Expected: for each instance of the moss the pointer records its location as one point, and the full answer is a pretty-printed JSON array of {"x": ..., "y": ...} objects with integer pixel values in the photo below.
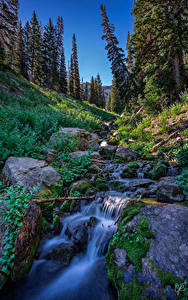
[
  {"x": 165, "y": 277},
  {"x": 136, "y": 242},
  {"x": 57, "y": 189},
  {"x": 129, "y": 211},
  {"x": 157, "y": 172},
  {"x": 185, "y": 203},
  {"x": 45, "y": 225},
  {"x": 73, "y": 204},
  {"x": 44, "y": 194},
  {"x": 131, "y": 291},
  {"x": 65, "y": 207},
  {"x": 56, "y": 220},
  {"x": 101, "y": 186},
  {"x": 84, "y": 188},
  {"x": 130, "y": 170},
  {"x": 23, "y": 270}
]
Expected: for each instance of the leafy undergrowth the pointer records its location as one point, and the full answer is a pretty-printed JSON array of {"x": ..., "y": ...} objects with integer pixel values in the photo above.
[
  {"x": 29, "y": 115},
  {"x": 146, "y": 130}
]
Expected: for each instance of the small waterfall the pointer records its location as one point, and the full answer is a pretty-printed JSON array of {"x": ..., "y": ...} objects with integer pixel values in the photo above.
[{"x": 113, "y": 204}]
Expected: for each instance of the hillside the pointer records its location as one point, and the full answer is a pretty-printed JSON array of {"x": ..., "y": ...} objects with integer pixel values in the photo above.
[{"x": 30, "y": 114}]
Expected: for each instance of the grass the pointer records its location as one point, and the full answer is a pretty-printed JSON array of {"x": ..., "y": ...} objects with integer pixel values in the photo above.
[
  {"x": 30, "y": 114},
  {"x": 148, "y": 130}
]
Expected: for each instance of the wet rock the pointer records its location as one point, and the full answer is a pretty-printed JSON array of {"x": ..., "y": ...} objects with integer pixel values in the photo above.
[
  {"x": 125, "y": 154},
  {"x": 25, "y": 245},
  {"x": 29, "y": 172},
  {"x": 130, "y": 170},
  {"x": 79, "y": 232},
  {"x": 169, "y": 191},
  {"x": 63, "y": 253},
  {"x": 158, "y": 171},
  {"x": 84, "y": 138}
]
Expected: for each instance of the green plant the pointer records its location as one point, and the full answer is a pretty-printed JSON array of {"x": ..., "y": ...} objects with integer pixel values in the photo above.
[
  {"x": 183, "y": 157},
  {"x": 15, "y": 200},
  {"x": 182, "y": 180}
]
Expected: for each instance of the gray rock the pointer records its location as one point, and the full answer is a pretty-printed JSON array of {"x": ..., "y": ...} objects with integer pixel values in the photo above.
[
  {"x": 169, "y": 191},
  {"x": 25, "y": 245},
  {"x": 50, "y": 154},
  {"x": 84, "y": 138},
  {"x": 105, "y": 148},
  {"x": 120, "y": 257},
  {"x": 93, "y": 155},
  {"x": 169, "y": 249},
  {"x": 125, "y": 153},
  {"x": 29, "y": 172}
]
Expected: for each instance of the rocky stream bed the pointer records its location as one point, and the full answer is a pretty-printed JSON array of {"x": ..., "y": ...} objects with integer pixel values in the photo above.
[{"x": 130, "y": 242}]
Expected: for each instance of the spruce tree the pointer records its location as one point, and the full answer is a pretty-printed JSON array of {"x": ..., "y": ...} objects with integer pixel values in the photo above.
[
  {"x": 159, "y": 40},
  {"x": 129, "y": 58},
  {"x": 71, "y": 79},
  {"x": 100, "y": 99},
  {"x": 76, "y": 76},
  {"x": 36, "y": 50},
  {"x": 108, "y": 103},
  {"x": 61, "y": 67},
  {"x": 86, "y": 91},
  {"x": 92, "y": 98},
  {"x": 116, "y": 104}
]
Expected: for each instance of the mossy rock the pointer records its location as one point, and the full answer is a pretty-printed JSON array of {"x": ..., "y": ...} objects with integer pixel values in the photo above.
[
  {"x": 119, "y": 186},
  {"x": 84, "y": 187},
  {"x": 45, "y": 225},
  {"x": 158, "y": 171},
  {"x": 65, "y": 207},
  {"x": 130, "y": 170}
]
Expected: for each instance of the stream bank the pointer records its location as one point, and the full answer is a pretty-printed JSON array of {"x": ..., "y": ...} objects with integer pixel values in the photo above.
[{"x": 71, "y": 255}]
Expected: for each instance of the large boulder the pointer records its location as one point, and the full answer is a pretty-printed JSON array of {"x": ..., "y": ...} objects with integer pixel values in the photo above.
[
  {"x": 124, "y": 154},
  {"x": 150, "y": 257},
  {"x": 85, "y": 140},
  {"x": 169, "y": 191},
  {"x": 29, "y": 172},
  {"x": 25, "y": 245}
]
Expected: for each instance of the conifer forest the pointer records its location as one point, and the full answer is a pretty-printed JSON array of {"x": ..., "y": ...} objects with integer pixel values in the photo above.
[{"x": 94, "y": 150}]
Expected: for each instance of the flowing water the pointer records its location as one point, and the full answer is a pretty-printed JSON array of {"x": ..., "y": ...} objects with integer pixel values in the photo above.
[{"x": 86, "y": 277}]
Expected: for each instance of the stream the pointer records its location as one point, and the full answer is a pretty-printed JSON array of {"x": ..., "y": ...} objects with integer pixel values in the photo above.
[{"x": 86, "y": 277}]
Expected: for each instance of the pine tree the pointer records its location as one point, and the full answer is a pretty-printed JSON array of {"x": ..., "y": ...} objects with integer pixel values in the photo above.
[
  {"x": 116, "y": 105},
  {"x": 8, "y": 25},
  {"x": 49, "y": 55},
  {"x": 108, "y": 103},
  {"x": 61, "y": 66},
  {"x": 129, "y": 58},
  {"x": 100, "y": 99},
  {"x": 19, "y": 59},
  {"x": 76, "y": 76},
  {"x": 92, "y": 98},
  {"x": 86, "y": 91},
  {"x": 159, "y": 39},
  {"x": 36, "y": 49},
  {"x": 71, "y": 79}
]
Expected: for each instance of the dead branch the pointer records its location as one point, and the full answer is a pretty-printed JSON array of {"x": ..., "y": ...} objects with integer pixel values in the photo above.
[{"x": 64, "y": 199}]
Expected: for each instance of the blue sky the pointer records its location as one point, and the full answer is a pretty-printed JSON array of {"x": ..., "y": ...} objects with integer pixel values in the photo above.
[{"x": 82, "y": 17}]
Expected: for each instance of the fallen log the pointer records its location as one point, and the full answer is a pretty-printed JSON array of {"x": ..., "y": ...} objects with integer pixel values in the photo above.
[
  {"x": 135, "y": 114},
  {"x": 172, "y": 135},
  {"x": 64, "y": 199}
]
